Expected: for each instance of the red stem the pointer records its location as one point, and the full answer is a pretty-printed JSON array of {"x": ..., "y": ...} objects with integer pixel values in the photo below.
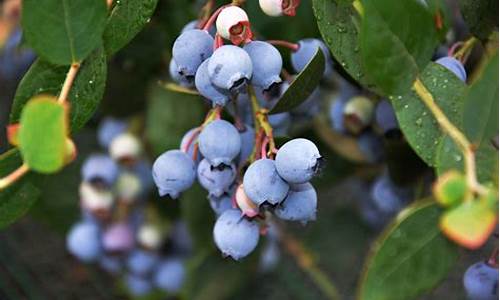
[
  {"x": 292, "y": 46},
  {"x": 213, "y": 17}
]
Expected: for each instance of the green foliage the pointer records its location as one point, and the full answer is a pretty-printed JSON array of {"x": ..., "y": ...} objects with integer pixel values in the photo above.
[
  {"x": 303, "y": 85},
  {"x": 397, "y": 40},
  {"x": 480, "y": 16},
  {"x": 409, "y": 258},
  {"x": 43, "y": 133},
  {"x": 126, "y": 20},
  {"x": 46, "y": 78},
  {"x": 64, "y": 31}
]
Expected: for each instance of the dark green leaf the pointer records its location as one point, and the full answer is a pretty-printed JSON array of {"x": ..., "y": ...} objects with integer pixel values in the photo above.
[
  {"x": 64, "y": 31},
  {"x": 303, "y": 85},
  {"x": 481, "y": 16},
  {"x": 18, "y": 198},
  {"x": 410, "y": 258},
  {"x": 43, "y": 133},
  {"x": 418, "y": 124},
  {"x": 46, "y": 78},
  {"x": 397, "y": 39},
  {"x": 127, "y": 19},
  {"x": 338, "y": 23}
]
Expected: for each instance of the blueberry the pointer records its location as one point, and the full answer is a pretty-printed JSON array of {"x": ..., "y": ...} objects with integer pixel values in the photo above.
[
  {"x": 111, "y": 264},
  {"x": 170, "y": 275},
  {"x": 263, "y": 184},
  {"x": 337, "y": 114},
  {"x": 220, "y": 204},
  {"x": 281, "y": 123},
  {"x": 267, "y": 63},
  {"x": 306, "y": 51},
  {"x": 190, "y": 49},
  {"x": 454, "y": 66},
  {"x": 138, "y": 286},
  {"x": 219, "y": 142},
  {"x": 207, "y": 89},
  {"x": 230, "y": 67},
  {"x": 372, "y": 146},
  {"x": 173, "y": 70},
  {"x": 118, "y": 238},
  {"x": 173, "y": 172},
  {"x": 109, "y": 128},
  {"x": 84, "y": 241},
  {"x": 299, "y": 205},
  {"x": 100, "y": 168},
  {"x": 388, "y": 197},
  {"x": 234, "y": 235},
  {"x": 141, "y": 262},
  {"x": 194, "y": 25},
  {"x": 247, "y": 135},
  {"x": 216, "y": 180},
  {"x": 298, "y": 160},
  {"x": 481, "y": 282},
  {"x": 385, "y": 116}
]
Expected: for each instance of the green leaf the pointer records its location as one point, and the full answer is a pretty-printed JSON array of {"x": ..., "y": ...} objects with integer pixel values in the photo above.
[
  {"x": 410, "y": 258},
  {"x": 63, "y": 31},
  {"x": 17, "y": 199},
  {"x": 481, "y": 16},
  {"x": 338, "y": 23},
  {"x": 303, "y": 85},
  {"x": 397, "y": 39},
  {"x": 417, "y": 123},
  {"x": 170, "y": 115},
  {"x": 43, "y": 133},
  {"x": 46, "y": 78},
  {"x": 126, "y": 20}
]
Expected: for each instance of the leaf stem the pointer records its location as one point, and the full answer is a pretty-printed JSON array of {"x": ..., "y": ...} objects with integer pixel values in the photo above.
[
  {"x": 68, "y": 82},
  {"x": 14, "y": 176},
  {"x": 458, "y": 137}
]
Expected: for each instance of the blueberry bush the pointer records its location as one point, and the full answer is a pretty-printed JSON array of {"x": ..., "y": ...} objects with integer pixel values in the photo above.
[{"x": 270, "y": 149}]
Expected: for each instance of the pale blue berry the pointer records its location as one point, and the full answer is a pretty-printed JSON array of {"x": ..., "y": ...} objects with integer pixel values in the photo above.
[
  {"x": 298, "y": 160},
  {"x": 173, "y": 70},
  {"x": 190, "y": 49},
  {"x": 219, "y": 142},
  {"x": 142, "y": 262},
  {"x": 385, "y": 116},
  {"x": 216, "y": 180},
  {"x": 220, "y": 204},
  {"x": 262, "y": 183},
  {"x": 170, "y": 275},
  {"x": 454, "y": 65},
  {"x": 388, "y": 197},
  {"x": 173, "y": 172},
  {"x": 230, "y": 67},
  {"x": 306, "y": 51},
  {"x": 299, "y": 205},
  {"x": 138, "y": 286},
  {"x": 110, "y": 128},
  {"x": 100, "y": 168},
  {"x": 84, "y": 241},
  {"x": 247, "y": 135},
  {"x": 481, "y": 282},
  {"x": 207, "y": 89},
  {"x": 372, "y": 146},
  {"x": 267, "y": 64}
]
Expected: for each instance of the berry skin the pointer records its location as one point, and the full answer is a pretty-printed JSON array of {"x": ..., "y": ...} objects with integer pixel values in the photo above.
[
  {"x": 207, "y": 89},
  {"x": 100, "y": 168},
  {"x": 267, "y": 64},
  {"x": 234, "y": 235},
  {"x": 118, "y": 238},
  {"x": 84, "y": 241},
  {"x": 141, "y": 262},
  {"x": 219, "y": 142},
  {"x": 109, "y": 128},
  {"x": 216, "y": 180},
  {"x": 125, "y": 147},
  {"x": 385, "y": 116},
  {"x": 220, "y": 204},
  {"x": 299, "y": 205},
  {"x": 306, "y": 51},
  {"x": 137, "y": 285},
  {"x": 170, "y": 275},
  {"x": 372, "y": 146},
  {"x": 230, "y": 67},
  {"x": 455, "y": 66},
  {"x": 481, "y": 282},
  {"x": 297, "y": 161},
  {"x": 173, "y": 172},
  {"x": 173, "y": 70},
  {"x": 247, "y": 143},
  {"x": 232, "y": 24},
  {"x": 190, "y": 49},
  {"x": 387, "y": 197},
  {"x": 276, "y": 8},
  {"x": 263, "y": 184}
]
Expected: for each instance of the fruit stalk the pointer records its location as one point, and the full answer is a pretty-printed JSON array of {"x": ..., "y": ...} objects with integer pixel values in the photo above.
[
  {"x": 14, "y": 176},
  {"x": 68, "y": 82}
]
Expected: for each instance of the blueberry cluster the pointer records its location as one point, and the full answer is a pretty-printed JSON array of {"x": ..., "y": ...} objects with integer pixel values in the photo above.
[{"x": 119, "y": 229}]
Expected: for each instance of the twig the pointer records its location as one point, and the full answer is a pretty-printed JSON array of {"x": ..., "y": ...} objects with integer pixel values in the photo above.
[
  {"x": 68, "y": 82},
  {"x": 14, "y": 176}
]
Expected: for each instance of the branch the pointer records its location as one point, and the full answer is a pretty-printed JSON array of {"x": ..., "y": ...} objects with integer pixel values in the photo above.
[
  {"x": 14, "y": 176},
  {"x": 68, "y": 82}
]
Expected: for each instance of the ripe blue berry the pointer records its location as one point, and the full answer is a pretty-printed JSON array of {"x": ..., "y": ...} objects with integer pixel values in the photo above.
[
  {"x": 190, "y": 49},
  {"x": 138, "y": 286},
  {"x": 207, "y": 89},
  {"x": 216, "y": 180},
  {"x": 84, "y": 241},
  {"x": 173, "y": 172},
  {"x": 337, "y": 114},
  {"x": 190, "y": 26},
  {"x": 170, "y": 275},
  {"x": 247, "y": 143},
  {"x": 118, "y": 237},
  {"x": 481, "y": 282},
  {"x": 454, "y": 65},
  {"x": 220, "y": 204},
  {"x": 385, "y": 116},
  {"x": 219, "y": 142},
  {"x": 306, "y": 51},
  {"x": 372, "y": 146},
  {"x": 230, "y": 67},
  {"x": 100, "y": 169},
  {"x": 173, "y": 70},
  {"x": 263, "y": 184},
  {"x": 109, "y": 128},
  {"x": 267, "y": 63},
  {"x": 141, "y": 262},
  {"x": 299, "y": 205},
  {"x": 388, "y": 197},
  {"x": 298, "y": 160},
  {"x": 234, "y": 235}
]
